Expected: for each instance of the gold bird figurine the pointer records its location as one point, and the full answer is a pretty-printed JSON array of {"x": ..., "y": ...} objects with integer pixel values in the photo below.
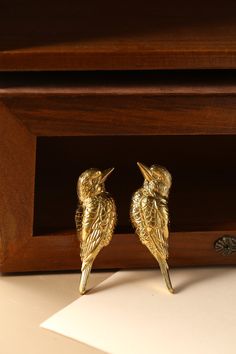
[
  {"x": 95, "y": 218},
  {"x": 149, "y": 214}
]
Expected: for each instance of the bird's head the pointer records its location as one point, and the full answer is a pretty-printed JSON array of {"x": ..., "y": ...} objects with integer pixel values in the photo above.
[
  {"x": 91, "y": 182},
  {"x": 156, "y": 179}
]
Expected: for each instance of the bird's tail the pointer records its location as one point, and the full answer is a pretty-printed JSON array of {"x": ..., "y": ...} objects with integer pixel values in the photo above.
[
  {"x": 165, "y": 272},
  {"x": 85, "y": 271}
]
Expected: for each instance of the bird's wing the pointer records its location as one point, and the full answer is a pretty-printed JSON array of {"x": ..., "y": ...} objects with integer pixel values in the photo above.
[
  {"x": 97, "y": 226},
  {"x": 152, "y": 229},
  {"x": 79, "y": 218}
]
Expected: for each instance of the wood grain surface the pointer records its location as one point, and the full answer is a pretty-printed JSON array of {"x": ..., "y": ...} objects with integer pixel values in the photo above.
[
  {"x": 17, "y": 172},
  {"x": 199, "y": 112},
  {"x": 101, "y": 35},
  {"x": 61, "y": 252},
  {"x": 151, "y": 104}
]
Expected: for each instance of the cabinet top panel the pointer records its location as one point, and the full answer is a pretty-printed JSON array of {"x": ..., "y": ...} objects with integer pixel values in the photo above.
[{"x": 111, "y": 35}]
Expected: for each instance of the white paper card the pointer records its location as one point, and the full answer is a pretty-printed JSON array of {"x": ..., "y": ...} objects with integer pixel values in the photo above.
[{"x": 132, "y": 312}]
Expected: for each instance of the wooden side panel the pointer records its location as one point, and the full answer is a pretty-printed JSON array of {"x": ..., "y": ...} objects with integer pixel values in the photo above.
[
  {"x": 73, "y": 114},
  {"x": 17, "y": 168}
]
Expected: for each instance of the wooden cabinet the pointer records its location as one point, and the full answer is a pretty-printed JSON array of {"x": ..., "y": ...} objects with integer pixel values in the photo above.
[
  {"x": 104, "y": 35},
  {"x": 89, "y": 86}
]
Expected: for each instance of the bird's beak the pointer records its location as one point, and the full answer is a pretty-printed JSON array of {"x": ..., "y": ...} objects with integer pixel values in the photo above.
[
  {"x": 145, "y": 171},
  {"x": 106, "y": 173}
]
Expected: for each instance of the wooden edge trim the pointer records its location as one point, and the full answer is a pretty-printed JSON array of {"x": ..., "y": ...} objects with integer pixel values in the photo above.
[
  {"x": 58, "y": 252},
  {"x": 18, "y": 147}
]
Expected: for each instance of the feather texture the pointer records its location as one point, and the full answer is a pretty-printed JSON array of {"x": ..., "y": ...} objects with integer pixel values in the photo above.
[
  {"x": 150, "y": 222},
  {"x": 95, "y": 218},
  {"x": 149, "y": 215},
  {"x": 98, "y": 222}
]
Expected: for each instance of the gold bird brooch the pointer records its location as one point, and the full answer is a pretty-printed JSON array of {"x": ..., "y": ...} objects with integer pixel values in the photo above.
[
  {"x": 95, "y": 218},
  {"x": 150, "y": 217}
]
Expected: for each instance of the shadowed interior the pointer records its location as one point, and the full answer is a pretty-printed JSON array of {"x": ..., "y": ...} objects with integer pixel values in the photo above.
[{"x": 203, "y": 168}]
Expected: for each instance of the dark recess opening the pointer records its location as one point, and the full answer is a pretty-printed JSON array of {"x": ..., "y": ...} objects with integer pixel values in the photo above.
[{"x": 203, "y": 168}]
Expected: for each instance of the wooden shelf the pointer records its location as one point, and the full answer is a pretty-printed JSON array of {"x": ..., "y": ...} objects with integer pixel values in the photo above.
[
  {"x": 130, "y": 103},
  {"x": 63, "y": 129},
  {"x": 60, "y": 251},
  {"x": 104, "y": 35}
]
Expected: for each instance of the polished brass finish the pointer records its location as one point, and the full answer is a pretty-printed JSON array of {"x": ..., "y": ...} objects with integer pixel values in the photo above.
[
  {"x": 95, "y": 218},
  {"x": 149, "y": 214},
  {"x": 226, "y": 245}
]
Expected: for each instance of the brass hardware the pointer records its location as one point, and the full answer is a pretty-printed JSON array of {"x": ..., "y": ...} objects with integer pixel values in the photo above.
[
  {"x": 226, "y": 245},
  {"x": 95, "y": 218},
  {"x": 149, "y": 215}
]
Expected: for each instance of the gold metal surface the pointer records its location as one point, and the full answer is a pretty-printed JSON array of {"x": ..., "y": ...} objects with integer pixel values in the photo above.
[
  {"x": 95, "y": 218},
  {"x": 149, "y": 214}
]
